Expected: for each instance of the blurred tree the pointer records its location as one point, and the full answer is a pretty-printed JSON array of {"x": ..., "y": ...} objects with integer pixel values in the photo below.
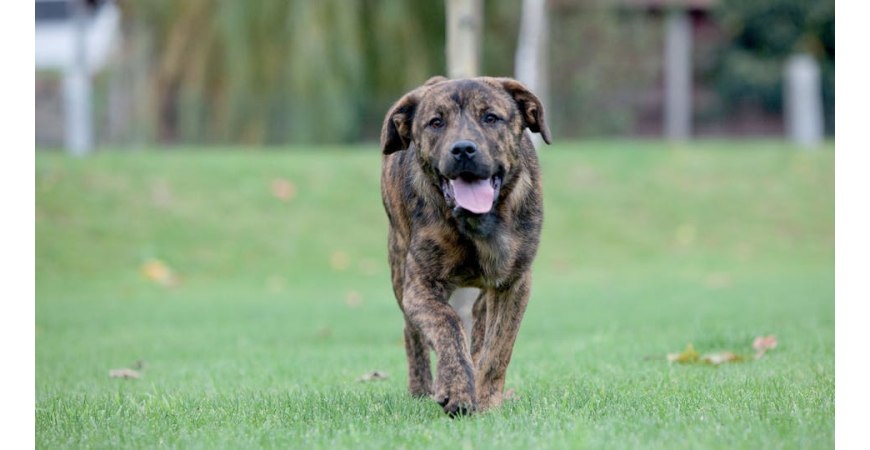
[
  {"x": 279, "y": 71},
  {"x": 276, "y": 71},
  {"x": 464, "y": 30},
  {"x": 760, "y": 35},
  {"x": 604, "y": 62}
]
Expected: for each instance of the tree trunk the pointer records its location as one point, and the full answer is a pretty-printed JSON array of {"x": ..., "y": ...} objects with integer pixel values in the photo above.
[
  {"x": 464, "y": 31},
  {"x": 530, "y": 64},
  {"x": 678, "y": 75}
]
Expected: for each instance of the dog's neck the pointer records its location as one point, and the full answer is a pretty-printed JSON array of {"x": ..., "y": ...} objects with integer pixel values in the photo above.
[{"x": 476, "y": 226}]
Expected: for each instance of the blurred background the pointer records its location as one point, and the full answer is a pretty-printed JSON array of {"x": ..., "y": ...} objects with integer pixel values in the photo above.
[{"x": 204, "y": 72}]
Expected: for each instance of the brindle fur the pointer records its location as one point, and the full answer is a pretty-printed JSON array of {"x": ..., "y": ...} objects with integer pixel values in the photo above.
[{"x": 433, "y": 248}]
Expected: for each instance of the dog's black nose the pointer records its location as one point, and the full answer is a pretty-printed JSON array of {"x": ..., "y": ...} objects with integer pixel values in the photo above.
[{"x": 463, "y": 149}]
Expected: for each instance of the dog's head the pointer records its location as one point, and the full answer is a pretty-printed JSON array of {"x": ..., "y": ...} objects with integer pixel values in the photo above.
[{"x": 468, "y": 134}]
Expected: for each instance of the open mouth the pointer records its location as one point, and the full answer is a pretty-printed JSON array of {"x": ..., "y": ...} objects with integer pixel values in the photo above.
[{"x": 476, "y": 195}]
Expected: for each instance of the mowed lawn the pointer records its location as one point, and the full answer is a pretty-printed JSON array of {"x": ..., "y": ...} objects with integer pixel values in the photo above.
[{"x": 282, "y": 300}]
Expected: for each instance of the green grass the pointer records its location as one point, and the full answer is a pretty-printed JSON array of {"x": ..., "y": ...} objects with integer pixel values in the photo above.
[{"x": 645, "y": 248}]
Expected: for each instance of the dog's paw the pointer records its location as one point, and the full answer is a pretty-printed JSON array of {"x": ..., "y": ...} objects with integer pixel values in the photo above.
[
  {"x": 420, "y": 390},
  {"x": 456, "y": 402},
  {"x": 491, "y": 401}
]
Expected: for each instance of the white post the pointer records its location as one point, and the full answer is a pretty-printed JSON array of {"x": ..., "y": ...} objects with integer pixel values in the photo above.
[
  {"x": 804, "y": 117},
  {"x": 77, "y": 88},
  {"x": 464, "y": 31},
  {"x": 678, "y": 75},
  {"x": 530, "y": 63}
]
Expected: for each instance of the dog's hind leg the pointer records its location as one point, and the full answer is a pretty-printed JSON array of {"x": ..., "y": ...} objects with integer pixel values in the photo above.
[{"x": 478, "y": 328}]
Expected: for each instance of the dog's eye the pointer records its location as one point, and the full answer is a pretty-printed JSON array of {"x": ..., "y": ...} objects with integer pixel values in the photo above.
[
  {"x": 490, "y": 118},
  {"x": 436, "y": 123}
]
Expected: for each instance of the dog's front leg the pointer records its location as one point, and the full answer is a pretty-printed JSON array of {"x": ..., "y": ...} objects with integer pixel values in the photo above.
[
  {"x": 426, "y": 308},
  {"x": 504, "y": 312}
]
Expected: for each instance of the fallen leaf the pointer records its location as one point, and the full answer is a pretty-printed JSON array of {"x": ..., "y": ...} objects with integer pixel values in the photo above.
[
  {"x": 374, "y": 375},
  {"x": 353, "y": 299},
  {"x": 339, "y": 260},
  {"x": 123, "y": 373},
  {"x": 762, "y": 344},
  {"x": 511, "y": 394},
  {"x": 717, "y": 280},
  {"x": 368, "y": 267},
  {"x": 158, "y": 272},
  {"x": 719, "y": 358},
  {"x": 161, "y": 194},
  {"x": 561, "y": 264},
  {"x": 686, "y": 234},
  {"x": 744, "y": 252},
  {"x": 283, "y": 190},
  {"x": 276, "y": 284},
  {"x": 688, "y": 355}
]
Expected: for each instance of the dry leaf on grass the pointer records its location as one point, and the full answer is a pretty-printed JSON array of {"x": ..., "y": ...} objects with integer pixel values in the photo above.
[
  {"x": 353, "y": 299},
  {"x": 123, "y": 373},
  {"x": 158, "y": 272},
  {"x": 762, "y": 344},
  {"x": 276, "y": 284},
  {"x": 374, "y": 375},
  {"x": 686, "y": 234},
  {"x": 717, "y": 280},
  {"x": 283, "y": 190},
  {"x": 689, "y": 355},
  {"x": 339, "y": 260},
  {"x": 721, "y": 357},
  {"x": 511, "y": 394},
  {"x": 368, "y": 266},
  {"x": 161, "y": 194}
]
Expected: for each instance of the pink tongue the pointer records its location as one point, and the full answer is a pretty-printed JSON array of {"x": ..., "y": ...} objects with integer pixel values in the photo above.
[{"x": 475, "y": 196}]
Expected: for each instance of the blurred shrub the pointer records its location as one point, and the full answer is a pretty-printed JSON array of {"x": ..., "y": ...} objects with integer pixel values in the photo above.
[
  {"x": 235, "y": 71},
  {"x": 759, "y": 36},
  {"x": 213, "y": 71},
  {"x": 605, "y": 62},
  {"x": 279, "y": 71}
]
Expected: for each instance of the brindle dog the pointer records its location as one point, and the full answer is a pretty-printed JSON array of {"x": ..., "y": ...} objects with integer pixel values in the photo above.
[{"x": 462, "y": 189}]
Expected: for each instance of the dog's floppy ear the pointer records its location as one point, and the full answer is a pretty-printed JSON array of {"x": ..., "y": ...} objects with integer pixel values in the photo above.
[
  {"x": 530, "y": 107},
  {"x": 396, "y": 134}
]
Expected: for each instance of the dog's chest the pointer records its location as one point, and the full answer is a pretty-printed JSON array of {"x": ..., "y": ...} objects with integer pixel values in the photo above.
[{"x": 488, "y": 263}]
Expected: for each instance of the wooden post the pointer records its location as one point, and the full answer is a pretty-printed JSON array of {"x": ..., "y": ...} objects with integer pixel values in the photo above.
[
  {"x": 678, "y": 75},
  {"x": 464, "y": 31},
  {"x": 530, "y": 63},
  {"x": 77, "y": 88},
  {"x": 804, "y": 118}
]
